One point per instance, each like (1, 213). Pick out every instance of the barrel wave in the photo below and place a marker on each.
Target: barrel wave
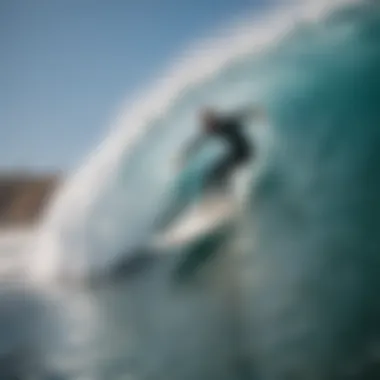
(108, 208)
(304, 246)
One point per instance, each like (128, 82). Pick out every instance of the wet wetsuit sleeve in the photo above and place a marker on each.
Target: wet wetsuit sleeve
(193, 146)
(248, 113)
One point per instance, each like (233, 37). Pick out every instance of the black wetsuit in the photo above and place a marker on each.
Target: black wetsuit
(230, 129)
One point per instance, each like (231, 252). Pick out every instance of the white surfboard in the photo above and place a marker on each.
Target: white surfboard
(205, 217)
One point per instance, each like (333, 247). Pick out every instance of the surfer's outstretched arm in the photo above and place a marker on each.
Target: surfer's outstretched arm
(192, 147)
(251, 112)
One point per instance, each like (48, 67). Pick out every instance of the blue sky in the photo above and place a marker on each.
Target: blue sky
(66, 65)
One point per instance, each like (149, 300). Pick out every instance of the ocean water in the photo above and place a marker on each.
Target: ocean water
(143, 322)
(289, 290)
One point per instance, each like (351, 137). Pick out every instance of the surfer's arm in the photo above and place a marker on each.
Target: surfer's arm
(192, 147)
(249, 113)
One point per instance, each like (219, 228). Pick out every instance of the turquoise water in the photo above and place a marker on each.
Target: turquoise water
(189, 183)
(291, 290)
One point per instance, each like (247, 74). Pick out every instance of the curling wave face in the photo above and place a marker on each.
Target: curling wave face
(308, 235)
(108, 208)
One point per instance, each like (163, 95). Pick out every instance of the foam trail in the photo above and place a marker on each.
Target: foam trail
(106, 209)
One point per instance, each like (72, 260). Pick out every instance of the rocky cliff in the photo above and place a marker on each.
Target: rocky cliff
(23, 197)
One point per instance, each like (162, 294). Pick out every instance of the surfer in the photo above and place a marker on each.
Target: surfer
(229, 128)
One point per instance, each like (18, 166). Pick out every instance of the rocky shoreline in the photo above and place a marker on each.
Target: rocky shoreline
(23, 197)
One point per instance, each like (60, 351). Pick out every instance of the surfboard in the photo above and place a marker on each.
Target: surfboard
(208, 215)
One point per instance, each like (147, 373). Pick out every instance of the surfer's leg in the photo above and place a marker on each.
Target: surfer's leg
(221, 172)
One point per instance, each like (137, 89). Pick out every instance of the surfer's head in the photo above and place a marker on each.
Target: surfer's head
(208, 118)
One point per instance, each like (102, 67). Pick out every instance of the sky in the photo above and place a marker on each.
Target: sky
(67, 65)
